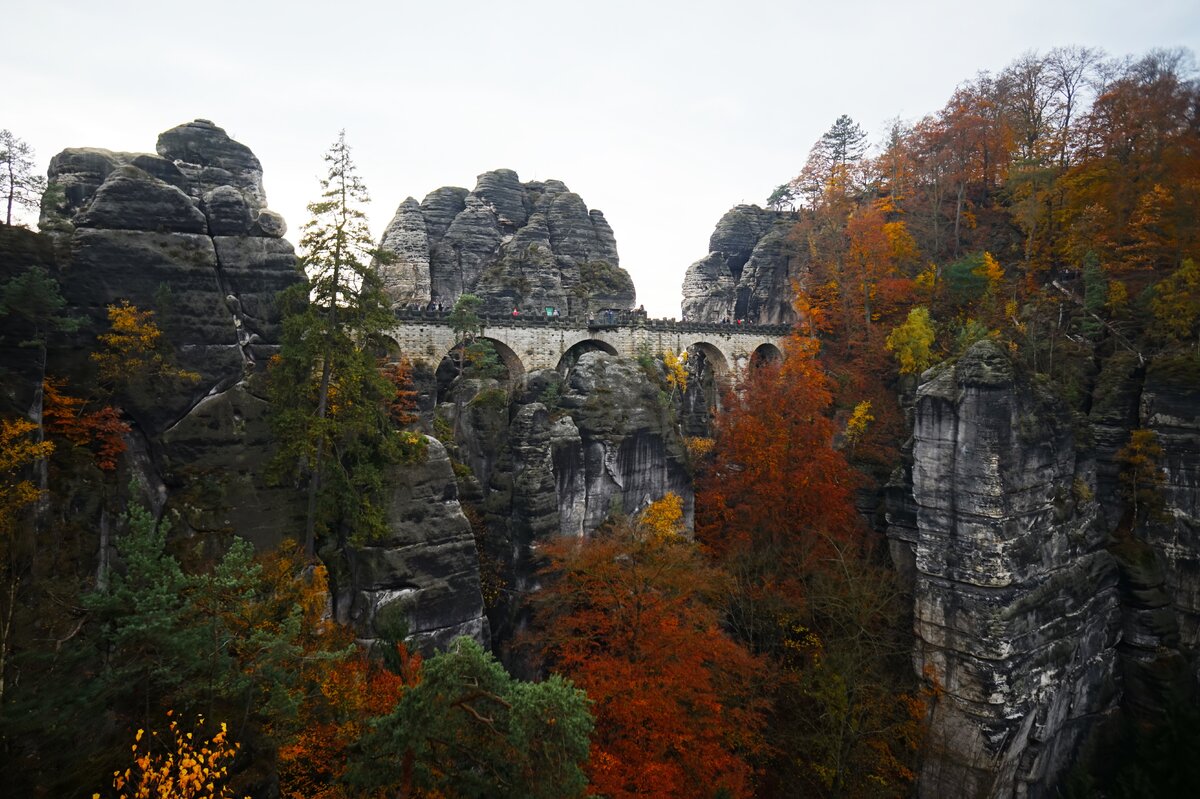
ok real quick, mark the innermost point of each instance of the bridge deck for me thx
(625, 320)
(526, 343)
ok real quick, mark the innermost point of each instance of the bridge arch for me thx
(526, 345)
(765, 353)
(714, 356)
(572, 354)
(447, 366)
(510, 359)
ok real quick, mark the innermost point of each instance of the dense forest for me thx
(1049, 208)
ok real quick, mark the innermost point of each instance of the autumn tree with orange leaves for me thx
(631, 616)
(805, 589)
(777, 483)
(102, 431)
(133, 350)
(19, 451)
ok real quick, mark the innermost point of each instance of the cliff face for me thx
(524, 245)
(1170, 406)
(1162, 396)
(556, 455)
(186, 232)
(1016, 605)
(747, 272)
(423, 577)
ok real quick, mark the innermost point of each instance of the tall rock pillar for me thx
(1016, 609)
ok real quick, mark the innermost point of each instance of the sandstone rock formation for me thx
(182, 233)
(1016, 612)
(525, 245)
(186, 233)
(1170, 406)
(1160, 397)
(425, 574)
(747, 272)
(630, 452)
(557, 454)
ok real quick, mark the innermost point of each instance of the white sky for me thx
(661, 114)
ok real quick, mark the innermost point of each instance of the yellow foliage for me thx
(17, 451)
(912, 342)
(132, 348)
(1118, 297)
(991, 271)
(676, 370)
(186, 770)
(662, 519)
(900, 242)
(856, 425)
(1012, 313)
(1176, 302)
(697, 447)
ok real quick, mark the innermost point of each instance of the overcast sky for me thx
(661, 114)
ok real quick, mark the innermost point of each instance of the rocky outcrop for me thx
(524, 245)
(1154, 672)
(130, 199)
(557, 455)
(186, 233)
(208, 158)
(422, 578)
(1016, 607)
(406, 279)
(629, 449)
(1170, 406)
(560, 454)
(1163, 396)
(1113, 413)
(179, 232)
(748, 271)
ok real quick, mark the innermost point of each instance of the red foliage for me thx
(404, 401)
(342, 695)
(351, 693)
(102, 431)
(777, 483)
(628, 618)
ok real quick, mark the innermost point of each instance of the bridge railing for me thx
(598, 321)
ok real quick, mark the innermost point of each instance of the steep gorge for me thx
(1038, 614)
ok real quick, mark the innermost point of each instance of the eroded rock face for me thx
(406, 279)
(186, 233)
(424, 576)
(1016, 608)
(208, 158)
(524, 245)
(176, 232)
(630, 452)
(747, 272)
(1170, 406)
(557, 455)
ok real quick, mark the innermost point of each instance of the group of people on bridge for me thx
(551, 312)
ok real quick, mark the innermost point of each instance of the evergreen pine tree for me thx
(328, 395)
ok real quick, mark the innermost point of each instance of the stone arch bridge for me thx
(529, 343)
